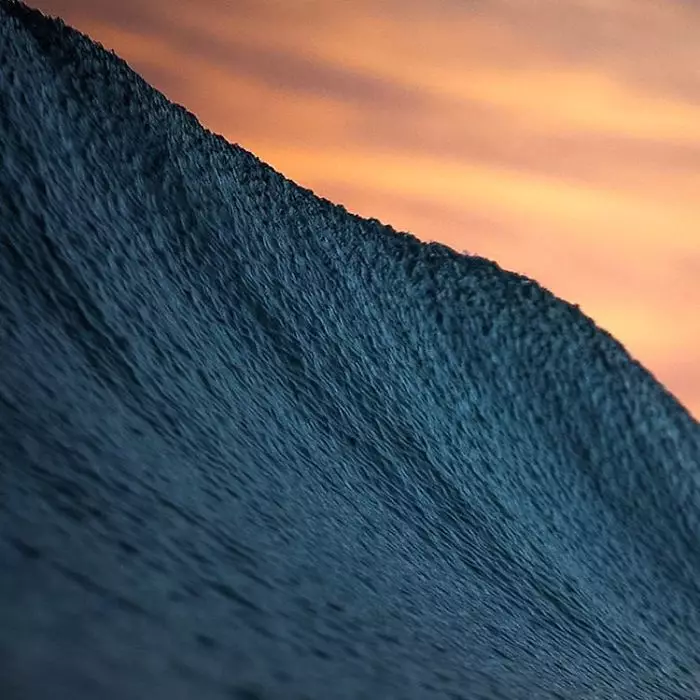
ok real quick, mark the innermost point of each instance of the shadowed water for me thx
(255, 447)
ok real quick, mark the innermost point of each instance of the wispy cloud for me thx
(560, 137)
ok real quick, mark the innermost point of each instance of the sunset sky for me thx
(560, 138)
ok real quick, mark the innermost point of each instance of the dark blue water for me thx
(255, 447)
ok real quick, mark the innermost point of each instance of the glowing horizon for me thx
(562, 140)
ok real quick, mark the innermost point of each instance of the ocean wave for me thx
(253, 446)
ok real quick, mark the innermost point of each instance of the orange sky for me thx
(560, 138)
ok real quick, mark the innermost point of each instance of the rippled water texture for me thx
(255, 447)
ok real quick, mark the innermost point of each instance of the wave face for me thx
(255, 447)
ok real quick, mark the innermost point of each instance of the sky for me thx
(560, 138)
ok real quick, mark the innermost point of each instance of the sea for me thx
(256, 447)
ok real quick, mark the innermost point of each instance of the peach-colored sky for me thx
(560, 138)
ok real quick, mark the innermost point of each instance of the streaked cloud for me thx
(559, 137)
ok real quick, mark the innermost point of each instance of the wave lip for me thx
(255, 446)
